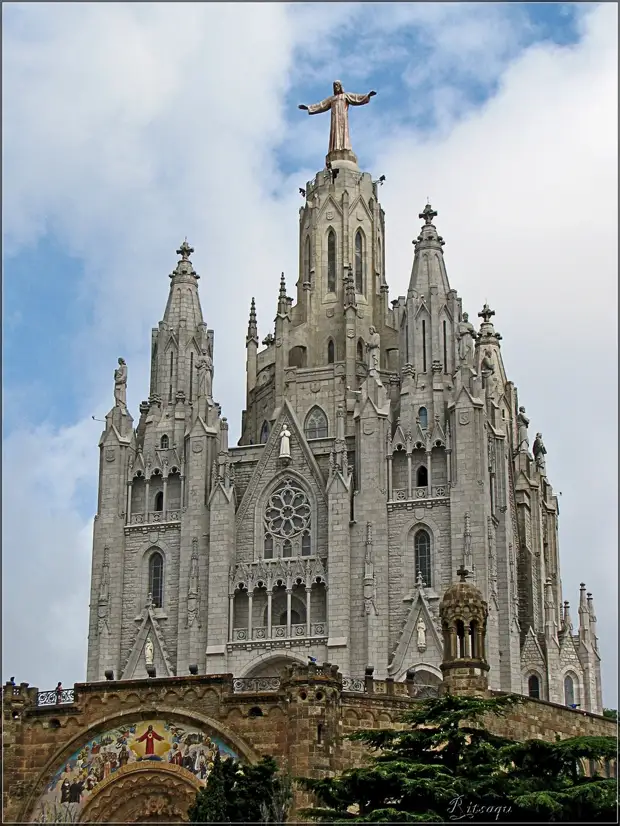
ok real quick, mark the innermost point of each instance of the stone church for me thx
(384, 531)
(383, 447)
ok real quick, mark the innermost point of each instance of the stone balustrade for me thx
(155, 517)
(402, 494)
(278, 632)
(54, 697)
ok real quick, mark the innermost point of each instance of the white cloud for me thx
(131, 126)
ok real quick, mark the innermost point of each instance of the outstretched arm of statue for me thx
(359, 100)
(323, 106)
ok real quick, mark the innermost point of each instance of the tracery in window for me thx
(316, 424)
(165, 442)
(287, 521)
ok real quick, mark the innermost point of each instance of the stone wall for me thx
(302, 722)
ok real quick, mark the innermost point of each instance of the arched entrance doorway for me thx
(140, 770)
(143, 793)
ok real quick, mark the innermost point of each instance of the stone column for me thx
(409, 476)
(147, 497)
(129, 495)
(289, 594)
(231, 616)
(429, 490)
(165, 502)
(308, 611)
(250, 605)
(269, 620)
(389, 464)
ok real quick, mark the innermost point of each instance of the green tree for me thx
(211, 805)
(611, 713)
(255, 793)
(447, 766)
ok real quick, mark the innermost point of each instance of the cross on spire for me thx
(428, 213)
(462, 573)
(486, 313)
(185, 250)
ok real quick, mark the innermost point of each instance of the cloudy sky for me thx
(128, 127)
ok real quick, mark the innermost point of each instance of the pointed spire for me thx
(189, 310)
(433, 274)
(590, 603)
(550, 623)
(584, 613)
(282, 298)
(252, 326)
(567, 623)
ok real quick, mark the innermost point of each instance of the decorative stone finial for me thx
(462, 573)
(185, 250)
(486, 313)
(282, 286)
(252, 325)
(427, 214)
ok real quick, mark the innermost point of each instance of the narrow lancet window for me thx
(445, 348)
(422, 545)
(359, 262)
(331, 261)
(330, 352)
(423, 346)
(307, 260)
(156, 579)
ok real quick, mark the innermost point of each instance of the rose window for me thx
(287, 521)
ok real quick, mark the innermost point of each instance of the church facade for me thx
(383, 447)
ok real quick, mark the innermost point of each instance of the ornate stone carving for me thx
(523, 442)
(120, 385)
(539, 450)
(421, 634)
(285, 443)
(373, 346)
(149, 652)
(193, 590)
(466, 335)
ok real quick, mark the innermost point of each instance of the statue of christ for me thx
(339, 103)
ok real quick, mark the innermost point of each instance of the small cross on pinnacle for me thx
(462, 573)
(486, 313)
(428, 213)
(185, 250)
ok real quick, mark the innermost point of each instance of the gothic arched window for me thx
(423, 416)
(331, 261)
(422, 547)
(316, 424)
(360, 350)
(359, 262)
(422, 477)
(307, 260)
(159, 501)
(264, 433)
(533, 687)
(164, 442)
(156, 579)
(288, 521)
(330, 352)
(569, 691)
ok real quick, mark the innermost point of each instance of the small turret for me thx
(464, 613)
(567, 623)
(551, 630)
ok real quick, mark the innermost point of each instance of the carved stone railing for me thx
(253, 684)
(278, 632)
(55, 698)
(402, 494)
(154, 517)
(356, 684)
